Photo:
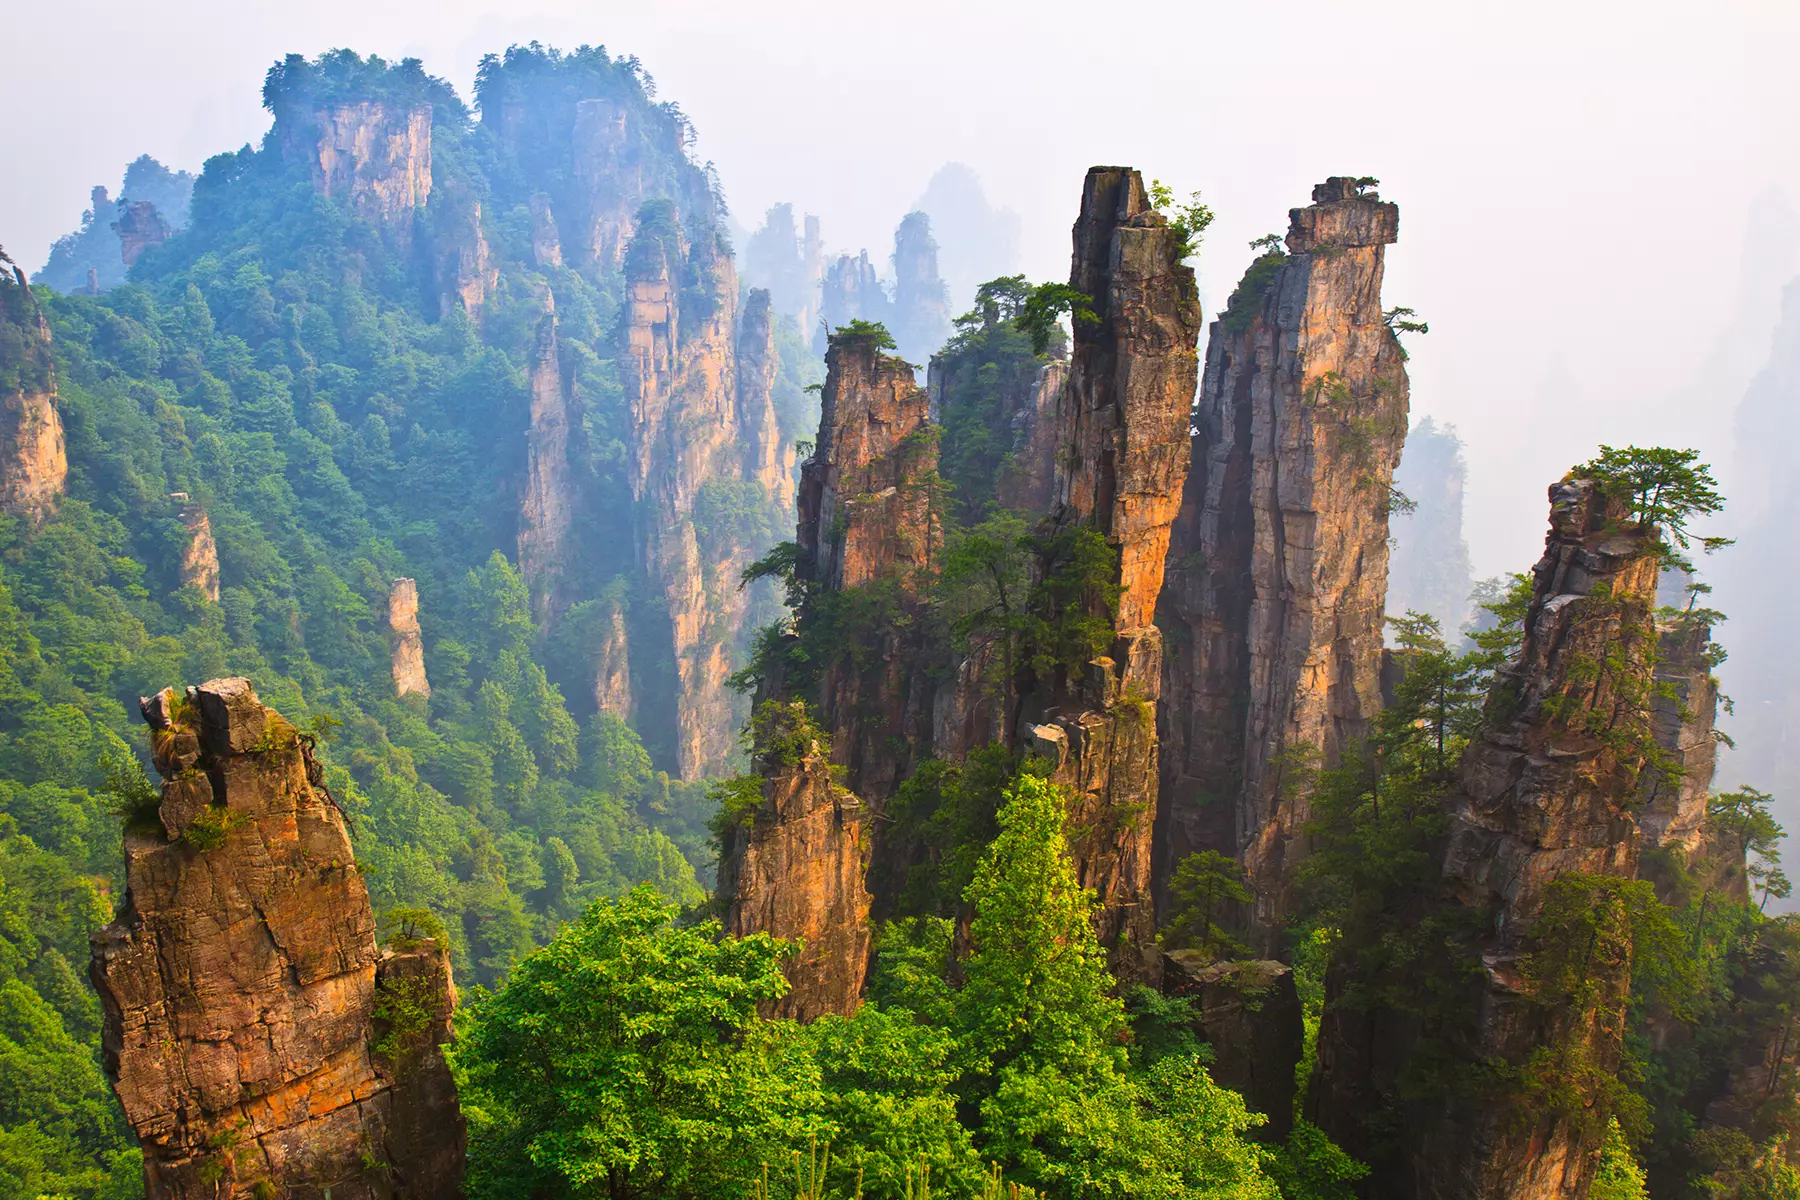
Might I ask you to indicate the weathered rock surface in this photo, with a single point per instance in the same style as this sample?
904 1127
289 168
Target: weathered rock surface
466 269
241 981
850 290
1250 1015
34 464
865 521
788 263
1028 480
795 867
1280 555
546 240
409 644
1547 790
1121 460
921 303
1673 811
547 507
374 157
612 668
200 556
699 446
140 228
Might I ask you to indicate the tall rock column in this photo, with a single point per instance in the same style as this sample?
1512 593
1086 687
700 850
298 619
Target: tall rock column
242 988
34 464
409 644
547 508
1122 457
695 467
200 557
1280 555
1548 791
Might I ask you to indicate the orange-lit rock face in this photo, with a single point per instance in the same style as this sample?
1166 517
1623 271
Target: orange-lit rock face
409 645
1278 571
1122 443
34 464
241 978
200 557
375 157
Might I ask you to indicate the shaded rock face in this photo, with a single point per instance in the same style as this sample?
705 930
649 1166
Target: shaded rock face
1027 482
1280 555
866 522
1121 460
612 180
200 556
139 228
612 671
921 302
1673 812
767 461
547 507
702 442
374 157
1543 794
1250 1014
795 867
546 241
409 645
242 986
34 463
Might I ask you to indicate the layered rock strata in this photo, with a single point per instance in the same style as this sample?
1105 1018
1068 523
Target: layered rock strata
199 566
242 986
1548 791
1121 460
409 644
1280 555
702 448
795 866
34 463
372 156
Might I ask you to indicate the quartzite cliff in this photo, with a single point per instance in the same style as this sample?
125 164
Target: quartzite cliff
1275 595
249 1014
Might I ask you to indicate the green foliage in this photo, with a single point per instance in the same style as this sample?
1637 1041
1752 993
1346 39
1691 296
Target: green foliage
1188 222
1207 891
1661 488
1619 1177
1246 300
1039 314
872 334
408 926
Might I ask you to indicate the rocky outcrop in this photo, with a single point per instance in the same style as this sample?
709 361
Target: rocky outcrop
409 644
787 263
921 303
140 228
467 272
1275 601
696 470
795 864
866 523
1548 791
1686 707
546 241
34 464
768 462
1430 571
547 507
612 181
1249 1013
371 156
612 668
199 566
242 986
1121 460
1027 480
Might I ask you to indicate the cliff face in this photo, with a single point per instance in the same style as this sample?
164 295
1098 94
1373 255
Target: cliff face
547 508
1674 811
1547 791
242 985
1281 551
767 462
921 302
409 645
200 557
865 522
1028 480
611 179
33 461
795 866
1121 460
612 668
702 444
372 156
466 269
139 228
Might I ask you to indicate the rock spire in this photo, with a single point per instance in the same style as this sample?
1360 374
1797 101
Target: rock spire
34 465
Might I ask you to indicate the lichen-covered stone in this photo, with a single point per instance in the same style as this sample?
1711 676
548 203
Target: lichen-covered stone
1279 559
239 980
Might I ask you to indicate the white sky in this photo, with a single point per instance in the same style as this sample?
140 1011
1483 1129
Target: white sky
1575 178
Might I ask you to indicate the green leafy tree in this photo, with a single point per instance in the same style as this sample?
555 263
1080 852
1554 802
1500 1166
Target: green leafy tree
1663 488
1207 891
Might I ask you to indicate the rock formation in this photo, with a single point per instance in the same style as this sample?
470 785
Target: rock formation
1028 479
1673 811
1121 460
467 270
788 263
374 157
34 464
200 556
1276 596
243 991
1547 792
547 507
768 462
139 228
921 304
866 523
700 449
849 291
612 668
612 178
409 645
546 242
795 864
1249 1013
1430 571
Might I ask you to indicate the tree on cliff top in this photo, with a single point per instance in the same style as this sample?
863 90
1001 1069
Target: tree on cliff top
1660 487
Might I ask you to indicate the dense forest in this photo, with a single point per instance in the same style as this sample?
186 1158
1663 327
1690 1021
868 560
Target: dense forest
833 775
